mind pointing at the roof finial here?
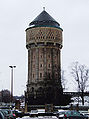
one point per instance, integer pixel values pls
(43, 8)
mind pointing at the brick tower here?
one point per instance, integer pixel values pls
(44, 43)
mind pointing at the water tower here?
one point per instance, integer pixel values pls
(44, 44)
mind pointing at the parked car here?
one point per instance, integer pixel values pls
(5, 113)
(18, 113)
(8, 114)
(11, 114)
(71, 114)
(1, 115)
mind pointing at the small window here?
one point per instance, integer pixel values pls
(40, 65)
(33, 75)
(49, 65)
(34, 57)
(32, 89)
(49, 75)
(49, 56)
(40, 75)
(56, 74)
(41, 56)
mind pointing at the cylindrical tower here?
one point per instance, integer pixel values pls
(44, 43)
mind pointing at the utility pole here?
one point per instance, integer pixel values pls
(12, 82)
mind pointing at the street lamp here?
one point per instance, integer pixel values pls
(12, 81)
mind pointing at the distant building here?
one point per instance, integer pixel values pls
(44, 43)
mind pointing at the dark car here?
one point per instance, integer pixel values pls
(71, 114)
(18, 113)
(11, 114)
(5, 113)
(8, 114)
(1, 115)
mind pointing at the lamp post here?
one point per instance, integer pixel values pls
(12, 82)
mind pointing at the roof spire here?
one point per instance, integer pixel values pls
(43, 8)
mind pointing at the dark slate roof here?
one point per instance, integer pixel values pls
(44, 19)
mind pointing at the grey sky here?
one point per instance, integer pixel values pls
(15, 15)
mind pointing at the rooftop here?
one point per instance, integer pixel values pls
(44, 19)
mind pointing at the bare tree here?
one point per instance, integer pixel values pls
(81, 76)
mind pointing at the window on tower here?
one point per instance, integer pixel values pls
(49, 75)
(34, 57)
(40, 75)
(49, 65)
(49, 56)
(41, 56)
(33, 75)
(40, 65)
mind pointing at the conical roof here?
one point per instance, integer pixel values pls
(44, 19)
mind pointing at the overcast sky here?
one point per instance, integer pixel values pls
(15, 16)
